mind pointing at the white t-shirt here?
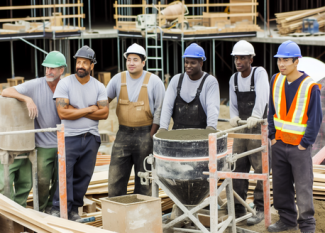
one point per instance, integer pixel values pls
(80, 96)
(262, 91)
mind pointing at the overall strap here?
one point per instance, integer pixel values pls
(146, 79)
(180, 81)
(201, 85)
(124, 91)
(236, 83)
(252, 80)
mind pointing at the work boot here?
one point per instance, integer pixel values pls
(280, 226)
(55, 213)
(48, 210)
(256, 219)
(73, 216)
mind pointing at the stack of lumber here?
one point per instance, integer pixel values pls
(40, 222)
(102, 159)
(290, 22)
(318, 185)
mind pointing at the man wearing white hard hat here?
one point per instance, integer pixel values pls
(140, 95)
(192, 98)
(249, 95)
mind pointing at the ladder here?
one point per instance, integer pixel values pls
(154, 48)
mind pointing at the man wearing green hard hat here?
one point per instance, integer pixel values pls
(38, 96)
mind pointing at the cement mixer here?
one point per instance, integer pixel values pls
(169, 17)
(14, 117)
(187, 165)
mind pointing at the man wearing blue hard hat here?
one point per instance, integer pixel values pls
(249, 96)
(295, 116)
(192, 99)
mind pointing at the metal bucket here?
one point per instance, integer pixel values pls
(180, 164)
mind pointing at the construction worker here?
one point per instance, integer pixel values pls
(81, 102)
(248, 94)
(192, 98)
(38, 96)
(295, 116)
(140, 94)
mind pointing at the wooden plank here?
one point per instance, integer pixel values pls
(41, 18)
(245, 136)
(305, 14)
(40, 6)
(8, 225)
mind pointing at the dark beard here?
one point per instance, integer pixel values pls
(82, 75)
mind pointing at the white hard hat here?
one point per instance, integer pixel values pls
(243, 47)
(137, 49)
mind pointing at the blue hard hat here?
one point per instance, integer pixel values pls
(194, 51)
(288, 49)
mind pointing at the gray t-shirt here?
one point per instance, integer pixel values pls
(209, 98)
(262, 90)
(156, 91)
(42, 95)
(80, 96)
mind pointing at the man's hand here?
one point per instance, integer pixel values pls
(252, 122)
(32, 109)
(234, 121)
(273, 141)
(93, 108)
(300, 147)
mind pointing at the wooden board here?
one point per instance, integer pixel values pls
(8, 225)
(241, 9)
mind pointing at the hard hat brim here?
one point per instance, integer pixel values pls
(95, 62)
(242, 54)
(203, 58)
(126, 55)
(52, 65)
(286, 56)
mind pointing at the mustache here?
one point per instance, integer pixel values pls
(81, 69)
(52, 75)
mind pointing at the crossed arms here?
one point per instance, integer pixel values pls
(94, 112)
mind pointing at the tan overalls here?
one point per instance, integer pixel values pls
(134, 114)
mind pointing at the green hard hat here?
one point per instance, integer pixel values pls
(54, 59)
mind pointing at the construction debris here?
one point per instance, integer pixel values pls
(41, 222)
(291, 22)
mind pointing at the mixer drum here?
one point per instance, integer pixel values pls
(14, 117)
(180, 164)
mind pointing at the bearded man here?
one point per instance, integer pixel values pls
(81, 102)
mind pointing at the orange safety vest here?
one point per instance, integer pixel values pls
(291, 126)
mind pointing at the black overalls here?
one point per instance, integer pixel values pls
(189, 115)
(246, 103)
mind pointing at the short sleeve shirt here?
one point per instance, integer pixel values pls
(42, 95)
(80, 96)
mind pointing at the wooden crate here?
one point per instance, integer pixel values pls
(15, 81)
(104, 77)
(56, 21)
(211, 19)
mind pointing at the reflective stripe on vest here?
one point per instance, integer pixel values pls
(302, 100)
(289, 127)
(293, 121)
(277, 94)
